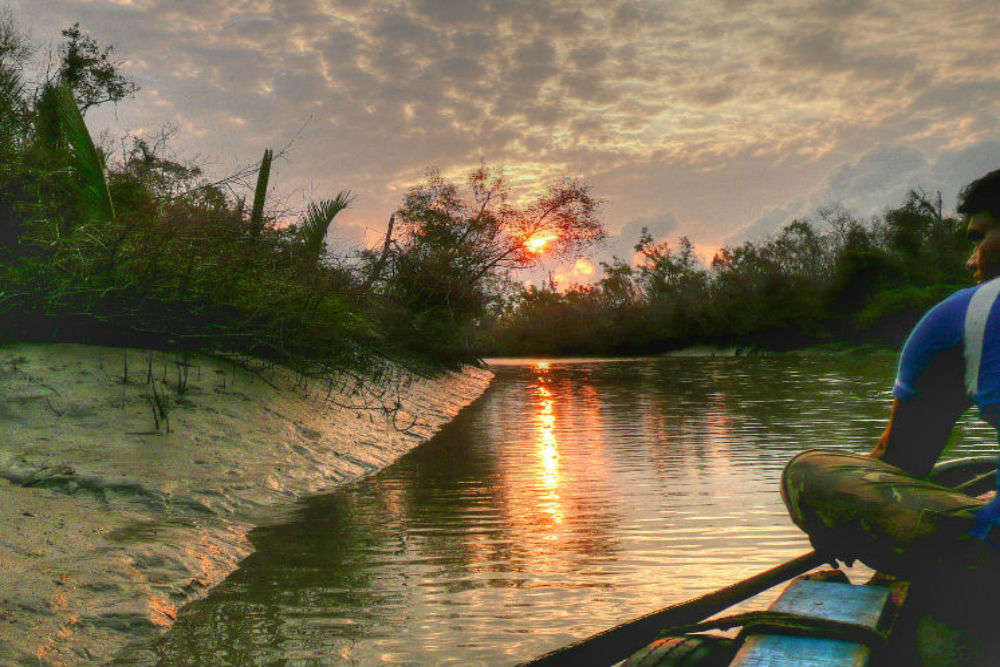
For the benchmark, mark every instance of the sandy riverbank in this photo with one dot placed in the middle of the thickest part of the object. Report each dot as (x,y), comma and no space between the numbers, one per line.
(129,479)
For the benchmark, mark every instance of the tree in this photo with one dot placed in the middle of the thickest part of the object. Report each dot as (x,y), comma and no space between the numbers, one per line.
(64,129)
(479,232)
(311,230)
(91,72)
(260,194)
(457,245)
(14,124)
(14,51)
(617,287)
(931,248)
(664,271)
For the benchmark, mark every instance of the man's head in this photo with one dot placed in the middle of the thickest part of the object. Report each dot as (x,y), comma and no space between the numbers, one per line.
(979,202)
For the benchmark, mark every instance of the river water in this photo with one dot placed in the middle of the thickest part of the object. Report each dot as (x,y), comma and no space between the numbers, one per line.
(574,495)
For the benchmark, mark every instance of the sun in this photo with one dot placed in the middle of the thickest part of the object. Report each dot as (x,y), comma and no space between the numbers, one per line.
(536,243)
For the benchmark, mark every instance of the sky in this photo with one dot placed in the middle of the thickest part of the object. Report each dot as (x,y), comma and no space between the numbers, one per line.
(720,120)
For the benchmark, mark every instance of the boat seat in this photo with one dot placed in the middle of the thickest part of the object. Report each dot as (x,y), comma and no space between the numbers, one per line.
(868,606)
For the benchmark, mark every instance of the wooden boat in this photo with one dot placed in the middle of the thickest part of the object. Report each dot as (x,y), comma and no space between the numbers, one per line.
(819,620)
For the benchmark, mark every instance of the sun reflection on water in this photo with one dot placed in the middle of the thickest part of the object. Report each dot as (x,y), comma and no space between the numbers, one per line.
(547,448)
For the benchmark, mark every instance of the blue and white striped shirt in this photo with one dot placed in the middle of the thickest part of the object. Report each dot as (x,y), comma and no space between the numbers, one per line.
(966,323)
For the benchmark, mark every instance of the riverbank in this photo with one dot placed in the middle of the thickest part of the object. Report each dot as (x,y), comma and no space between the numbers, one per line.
(129,479)
(826,349)
(707,350)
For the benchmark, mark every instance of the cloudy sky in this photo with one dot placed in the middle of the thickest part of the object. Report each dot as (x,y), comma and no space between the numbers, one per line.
(718,119)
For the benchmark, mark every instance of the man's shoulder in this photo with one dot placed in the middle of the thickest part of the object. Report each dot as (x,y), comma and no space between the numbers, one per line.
(949,314)
(963,295)
(955,304)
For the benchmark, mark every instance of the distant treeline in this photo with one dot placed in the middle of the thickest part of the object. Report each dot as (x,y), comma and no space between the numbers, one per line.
(835,279)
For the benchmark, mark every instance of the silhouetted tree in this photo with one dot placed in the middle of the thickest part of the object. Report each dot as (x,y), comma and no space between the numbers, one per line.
(91,71)
(456,245)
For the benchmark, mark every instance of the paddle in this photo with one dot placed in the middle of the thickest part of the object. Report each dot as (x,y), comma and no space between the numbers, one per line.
(610,646)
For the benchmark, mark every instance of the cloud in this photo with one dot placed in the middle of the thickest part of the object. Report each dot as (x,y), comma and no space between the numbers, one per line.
(881,179)
(768,224)
(838,9)
(725,114)
(622,244)
(953,170)
(875,172)
(450,12)
(579,272)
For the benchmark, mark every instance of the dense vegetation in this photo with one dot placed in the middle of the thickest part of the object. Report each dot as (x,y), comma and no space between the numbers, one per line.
(836,279)
(142,250)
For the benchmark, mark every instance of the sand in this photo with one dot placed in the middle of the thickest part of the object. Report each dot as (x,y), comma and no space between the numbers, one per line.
(129,479)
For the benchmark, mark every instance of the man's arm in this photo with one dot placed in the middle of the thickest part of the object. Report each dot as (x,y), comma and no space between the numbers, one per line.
(918,431)
(929,392)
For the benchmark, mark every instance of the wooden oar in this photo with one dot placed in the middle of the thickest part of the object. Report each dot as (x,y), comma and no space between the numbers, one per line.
(610,646)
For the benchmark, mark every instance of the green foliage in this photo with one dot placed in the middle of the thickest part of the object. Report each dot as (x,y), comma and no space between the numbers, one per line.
(260,194)
(14,121)
(13,105)
(178,273)
(65,128)
(313,227)
(908,303)
(90,71)
(860,272)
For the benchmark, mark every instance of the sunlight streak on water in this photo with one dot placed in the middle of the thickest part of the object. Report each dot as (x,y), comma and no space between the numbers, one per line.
(571,497)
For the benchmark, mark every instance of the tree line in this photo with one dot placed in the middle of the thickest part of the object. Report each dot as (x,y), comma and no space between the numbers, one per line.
(835,279)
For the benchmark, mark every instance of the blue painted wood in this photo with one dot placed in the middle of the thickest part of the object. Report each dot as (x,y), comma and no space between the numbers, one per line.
(788,651)
(834,601)
(864,605)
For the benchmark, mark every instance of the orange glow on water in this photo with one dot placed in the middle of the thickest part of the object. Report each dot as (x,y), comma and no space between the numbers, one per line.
(547,449)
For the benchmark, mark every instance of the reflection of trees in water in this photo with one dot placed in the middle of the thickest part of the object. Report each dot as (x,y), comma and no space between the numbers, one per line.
(699,424)
(697,407)
(286,597)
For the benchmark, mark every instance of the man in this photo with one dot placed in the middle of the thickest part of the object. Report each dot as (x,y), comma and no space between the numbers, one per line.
(902,525)
(952,357)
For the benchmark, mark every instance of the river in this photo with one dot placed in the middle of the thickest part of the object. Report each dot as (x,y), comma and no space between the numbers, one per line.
(572,496)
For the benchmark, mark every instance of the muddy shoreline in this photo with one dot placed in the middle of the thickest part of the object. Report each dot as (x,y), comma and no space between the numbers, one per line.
(129,479)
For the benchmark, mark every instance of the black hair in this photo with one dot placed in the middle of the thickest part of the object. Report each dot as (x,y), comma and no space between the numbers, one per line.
(981,195)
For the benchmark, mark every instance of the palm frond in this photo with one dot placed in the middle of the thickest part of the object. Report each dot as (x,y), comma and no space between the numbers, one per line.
(319,215)
(12,106)
(47,132)
(260,194)
(60,124)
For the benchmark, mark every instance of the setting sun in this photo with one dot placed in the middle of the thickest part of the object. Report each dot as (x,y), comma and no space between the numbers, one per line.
(536,244)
